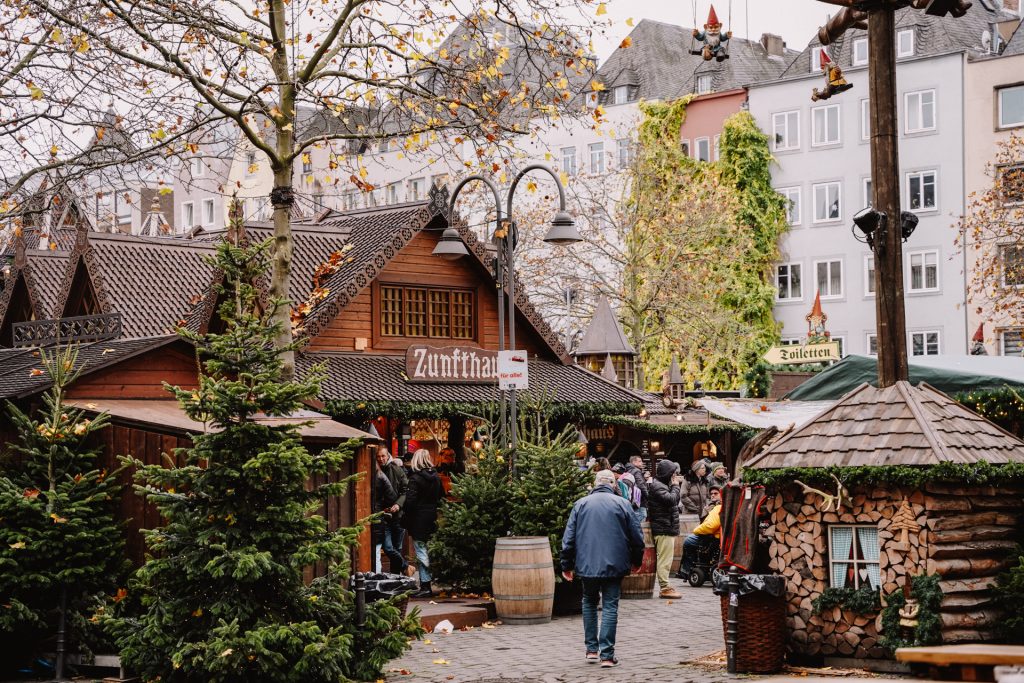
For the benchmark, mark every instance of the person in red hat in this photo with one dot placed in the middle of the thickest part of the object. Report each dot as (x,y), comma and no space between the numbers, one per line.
(834,81)
(714,41)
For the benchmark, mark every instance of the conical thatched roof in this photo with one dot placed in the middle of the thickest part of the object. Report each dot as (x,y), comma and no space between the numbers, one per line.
(897,425)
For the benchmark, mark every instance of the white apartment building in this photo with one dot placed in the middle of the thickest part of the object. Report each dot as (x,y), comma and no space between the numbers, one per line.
(823,167)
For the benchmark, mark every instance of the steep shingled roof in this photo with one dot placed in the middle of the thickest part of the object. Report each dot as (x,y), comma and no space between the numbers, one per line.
(897,425)
(604,333)
(47,272)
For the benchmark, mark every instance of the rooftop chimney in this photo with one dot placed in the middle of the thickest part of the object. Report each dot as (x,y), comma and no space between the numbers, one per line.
(773,44)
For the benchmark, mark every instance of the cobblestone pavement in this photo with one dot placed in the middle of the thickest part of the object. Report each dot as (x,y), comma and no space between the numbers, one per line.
(654,638)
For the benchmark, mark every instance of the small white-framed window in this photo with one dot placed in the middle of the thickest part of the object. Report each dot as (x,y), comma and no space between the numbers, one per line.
(840,340)
(786,130)
(869,197)
(1011,342)
(415,190)
(828,276)
(790,341)
(860,52)
(684,145)
(382,145)
(1010,106)
(920,111)
(703,149)
(596,157)
(921,190)
(793,209)
(869,275)
(1011,261)
(827,202)
(620,94)
(853,556)
(703,84)
(789,282)
(208,212)
(393,193)
(1011,184)
(197,167)
(825,125)
(925,343)
(188,214)
(624,146)
(815,65)
(871,344)
(923,271)
(905,42)
(865,119)
(718,139)
(569,160)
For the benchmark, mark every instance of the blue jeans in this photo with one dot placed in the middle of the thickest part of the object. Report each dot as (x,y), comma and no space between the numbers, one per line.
(608,590)
(422,559)
(394,537)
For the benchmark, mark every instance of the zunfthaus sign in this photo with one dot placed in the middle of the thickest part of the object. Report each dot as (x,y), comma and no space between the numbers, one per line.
(451,365)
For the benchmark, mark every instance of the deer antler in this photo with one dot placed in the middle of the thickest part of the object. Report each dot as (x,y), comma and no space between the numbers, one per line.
(829,500)
(841,492)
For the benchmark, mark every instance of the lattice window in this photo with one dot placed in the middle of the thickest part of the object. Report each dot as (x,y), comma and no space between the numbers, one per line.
(391,311)
(415,312)
(462,315)
(440,313)
(437,313)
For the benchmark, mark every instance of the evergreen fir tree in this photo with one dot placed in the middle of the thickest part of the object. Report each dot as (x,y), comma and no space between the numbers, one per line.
(223,598)
(58,534)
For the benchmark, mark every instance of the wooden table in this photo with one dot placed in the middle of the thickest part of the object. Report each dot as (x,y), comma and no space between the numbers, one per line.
(966,662)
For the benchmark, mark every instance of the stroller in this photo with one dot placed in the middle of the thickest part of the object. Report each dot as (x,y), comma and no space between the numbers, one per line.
(707,559)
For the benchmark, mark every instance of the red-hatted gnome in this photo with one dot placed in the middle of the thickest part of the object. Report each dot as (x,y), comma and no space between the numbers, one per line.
(834,81)
(714,40)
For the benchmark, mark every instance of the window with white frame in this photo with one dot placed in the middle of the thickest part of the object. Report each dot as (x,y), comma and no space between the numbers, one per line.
(1011,184)
(825,125)
(703,84)
(1011,106)
(626,152)
(860,52)
(188,214)
(919,108)
(718,139)
(703,149)
(1011,342)
(786,130)
(924,343)
(596,157)
(569,160)
(208,212)
(853,556)
(792,197)
(869,275)
(684,145)
(816,58)
(869,197)
(122,206)
(924,271)
(1011,260)
(393,193)
(790,341)
(620,94)
(788,282)
(382,146)
(827,202)
(250,163)
(415,190)
(871,344)
(921,190)
(905,43)
(840,341)
(197,167)
(829,278)
(865,119)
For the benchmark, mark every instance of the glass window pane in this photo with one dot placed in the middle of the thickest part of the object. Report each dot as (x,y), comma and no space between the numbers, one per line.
(822,275)
(841,552)
(794,281)
(1011,106)
(917,344)
(928,198)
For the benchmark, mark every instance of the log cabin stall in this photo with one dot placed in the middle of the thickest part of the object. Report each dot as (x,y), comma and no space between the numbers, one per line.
(883,486)
(408,340)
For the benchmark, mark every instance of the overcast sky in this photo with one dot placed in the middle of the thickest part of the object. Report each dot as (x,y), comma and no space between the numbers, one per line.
(795,20)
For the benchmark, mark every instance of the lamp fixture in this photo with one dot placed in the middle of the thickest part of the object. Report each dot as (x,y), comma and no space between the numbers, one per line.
(908,224)
(870,222)
(450,246)
(563,230)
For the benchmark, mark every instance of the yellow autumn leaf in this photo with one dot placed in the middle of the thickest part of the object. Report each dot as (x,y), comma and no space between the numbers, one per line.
(18,546)
(440,661)
(564,177)
(602,9)
(166,190)
(597,86)
(158,134)
(531,186)
(363,172)
(198,612)
(626,42)
(305,158)
(80,44)
(253,168)
(226,652)
(35,91)
(629,22)
(57,35)
(54,150)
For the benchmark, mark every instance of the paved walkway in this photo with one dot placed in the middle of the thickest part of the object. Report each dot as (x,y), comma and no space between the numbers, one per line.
(654,638)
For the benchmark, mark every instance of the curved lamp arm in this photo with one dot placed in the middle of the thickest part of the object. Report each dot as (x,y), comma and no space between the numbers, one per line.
(519,176)
(486,181)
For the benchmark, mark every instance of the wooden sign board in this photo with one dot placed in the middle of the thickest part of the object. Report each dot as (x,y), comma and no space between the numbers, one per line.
(451,365)
(803,353)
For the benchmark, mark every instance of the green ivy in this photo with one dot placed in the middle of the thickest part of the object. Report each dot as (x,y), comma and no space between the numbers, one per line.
(972,474)
(361,412)
(681,428)
(925,589)
(863,600)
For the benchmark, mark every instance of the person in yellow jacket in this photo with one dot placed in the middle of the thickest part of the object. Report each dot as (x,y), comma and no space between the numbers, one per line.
(709,531)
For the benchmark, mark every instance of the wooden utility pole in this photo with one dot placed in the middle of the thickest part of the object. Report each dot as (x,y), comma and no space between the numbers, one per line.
(885,186)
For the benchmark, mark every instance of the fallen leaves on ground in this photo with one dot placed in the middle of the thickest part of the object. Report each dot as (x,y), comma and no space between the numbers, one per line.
(441,661)
(487,624)
(404,672)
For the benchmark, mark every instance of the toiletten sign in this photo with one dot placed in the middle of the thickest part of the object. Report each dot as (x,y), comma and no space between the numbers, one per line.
(803,353)
(451,365)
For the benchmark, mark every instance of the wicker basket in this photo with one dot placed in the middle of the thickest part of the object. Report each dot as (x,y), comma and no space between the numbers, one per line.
(762,632)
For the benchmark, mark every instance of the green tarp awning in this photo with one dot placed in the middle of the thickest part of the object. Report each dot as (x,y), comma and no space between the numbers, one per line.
(948,374)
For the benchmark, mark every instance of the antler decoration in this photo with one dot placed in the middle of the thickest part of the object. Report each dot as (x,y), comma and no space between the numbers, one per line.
(831,502)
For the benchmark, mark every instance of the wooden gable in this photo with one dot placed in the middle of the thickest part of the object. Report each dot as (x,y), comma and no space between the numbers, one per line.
(18,308)
(415,269)
(81,298)
(141,376)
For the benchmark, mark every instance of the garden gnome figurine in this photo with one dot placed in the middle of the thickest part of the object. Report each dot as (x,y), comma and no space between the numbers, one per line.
(978,342)
(714,42)
(908,613)
(834,81)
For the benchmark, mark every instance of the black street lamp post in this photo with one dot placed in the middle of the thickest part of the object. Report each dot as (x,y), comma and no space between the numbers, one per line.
(562,232)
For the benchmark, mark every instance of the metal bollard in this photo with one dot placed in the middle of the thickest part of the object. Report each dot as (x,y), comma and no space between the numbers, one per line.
(732,621)
(359,585)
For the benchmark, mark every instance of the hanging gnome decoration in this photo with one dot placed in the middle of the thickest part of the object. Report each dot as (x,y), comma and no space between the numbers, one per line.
(715,44)
(834,81)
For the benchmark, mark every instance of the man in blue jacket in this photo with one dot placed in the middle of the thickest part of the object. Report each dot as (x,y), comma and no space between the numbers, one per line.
(602,541)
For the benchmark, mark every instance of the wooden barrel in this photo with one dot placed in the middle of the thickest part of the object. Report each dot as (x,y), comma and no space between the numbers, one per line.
(640,586)
(523,579)
(687,523)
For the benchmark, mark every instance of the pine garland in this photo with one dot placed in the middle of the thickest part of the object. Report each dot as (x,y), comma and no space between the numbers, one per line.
(863,600)
(974,474)
(925,589)
(358,413)
(742,431)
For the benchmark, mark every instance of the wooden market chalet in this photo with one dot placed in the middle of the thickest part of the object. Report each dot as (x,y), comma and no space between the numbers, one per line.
(371,297)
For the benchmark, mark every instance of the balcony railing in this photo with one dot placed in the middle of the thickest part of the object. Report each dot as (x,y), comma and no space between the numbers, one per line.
(66,330)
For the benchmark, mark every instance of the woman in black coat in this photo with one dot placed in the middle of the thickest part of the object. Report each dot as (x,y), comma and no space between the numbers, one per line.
(421,502)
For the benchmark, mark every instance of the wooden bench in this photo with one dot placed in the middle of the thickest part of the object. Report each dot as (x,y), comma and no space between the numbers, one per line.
(966,662)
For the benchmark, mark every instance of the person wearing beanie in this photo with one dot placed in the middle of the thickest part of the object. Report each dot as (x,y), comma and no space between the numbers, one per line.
(717,474)
(601,543)
(694,490)
(663,514)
